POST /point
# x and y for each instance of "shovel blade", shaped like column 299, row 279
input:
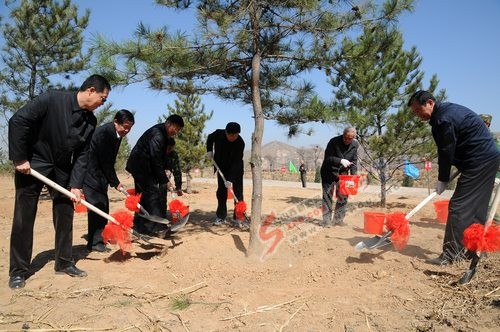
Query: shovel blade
column 156, row 219
column 373, row 243
column 467, row 276
column 181, row 223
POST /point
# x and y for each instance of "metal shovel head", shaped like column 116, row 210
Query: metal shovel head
column 179, row 224
column 156, row 219
column 467, row 276
column 375, row 242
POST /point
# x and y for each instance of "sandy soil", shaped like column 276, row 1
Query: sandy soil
column 313, row 280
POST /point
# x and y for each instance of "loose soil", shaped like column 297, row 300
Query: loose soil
column 313, row 279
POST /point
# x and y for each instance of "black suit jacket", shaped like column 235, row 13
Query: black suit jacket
column 227, row 155
column 102, row 157
column 147, row 159
column 335, row 151
column 53, row 133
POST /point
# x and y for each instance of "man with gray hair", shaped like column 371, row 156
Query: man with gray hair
column 462, row 141
column 341, row 156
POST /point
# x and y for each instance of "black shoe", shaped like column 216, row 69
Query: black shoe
column 16, row 282
column 440, row 260
column 100, row 247
column 72, row 271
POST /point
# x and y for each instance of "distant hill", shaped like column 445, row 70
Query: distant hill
column 277, row 154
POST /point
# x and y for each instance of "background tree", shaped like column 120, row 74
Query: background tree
column 190, row 145
column 372, row 88
column 316, row 153
column 43, row 41
column 247, row 50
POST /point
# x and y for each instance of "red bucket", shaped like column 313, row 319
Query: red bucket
column 348, row 184
column 374, row 222
column 441, row 208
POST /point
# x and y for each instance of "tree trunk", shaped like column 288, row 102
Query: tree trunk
column 189, row 190
column 255, row 244
column 383, row 183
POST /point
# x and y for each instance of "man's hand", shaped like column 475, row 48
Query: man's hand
column 22, row 166
column 210, row 155
column 228, row 184
column 346, row 163
column 440, row 187
column 78, row 195
column 120, row 187
column 170, row 187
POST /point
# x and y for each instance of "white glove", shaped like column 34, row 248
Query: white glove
column 210, row 155
column 346, row 163
column 228, row 184
column 440, row 187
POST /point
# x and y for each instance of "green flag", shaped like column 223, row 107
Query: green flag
column 291, row 168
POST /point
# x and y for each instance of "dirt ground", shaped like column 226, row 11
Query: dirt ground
column 311, row 280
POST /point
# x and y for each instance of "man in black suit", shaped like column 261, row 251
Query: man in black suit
column 341, row 156
column 229, row 148
column 101, row 173
column 146, row 163
column 51, row 134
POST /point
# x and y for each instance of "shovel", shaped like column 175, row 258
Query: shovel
column 68, row 193
column 380, row 241
column 467, row 276
column 144, row 214
column 230, row 188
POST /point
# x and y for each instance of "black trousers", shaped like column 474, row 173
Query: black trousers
column 328, row 190
column 95, row 223
column 222, row 195
column 469, row 204
column 153, row 200
column 303, row 179
column 28, row 191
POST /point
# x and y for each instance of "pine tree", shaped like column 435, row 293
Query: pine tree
column 253, row 51
column 43, row 41
column 190, row 142
column 372, row 87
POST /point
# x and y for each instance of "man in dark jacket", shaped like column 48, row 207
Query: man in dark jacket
column 101, row 173
column 229, row 148
column 463, row 141
column 146, row 163
column 51, row 134
column 303, row 173
column 341, row 156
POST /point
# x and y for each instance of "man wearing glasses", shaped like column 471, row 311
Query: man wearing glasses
column 101, row 173
column 51, row 134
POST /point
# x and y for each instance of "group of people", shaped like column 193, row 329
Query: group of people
column 56, row 135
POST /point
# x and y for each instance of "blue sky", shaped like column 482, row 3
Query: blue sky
column 459, row 41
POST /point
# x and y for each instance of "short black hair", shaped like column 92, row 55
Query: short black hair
column 124, row 115
column 98, row 82
column 421, row 97
column 233, row 128
column 176, row 120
